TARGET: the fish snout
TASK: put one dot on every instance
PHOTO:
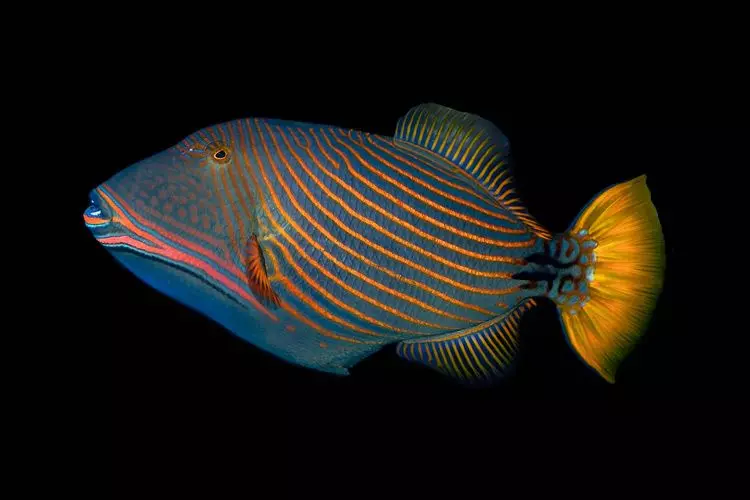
(98, 213)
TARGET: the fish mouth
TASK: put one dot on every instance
(154, 254)
(98, 213)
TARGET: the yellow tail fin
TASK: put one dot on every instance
(624, 257)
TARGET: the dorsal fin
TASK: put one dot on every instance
(480, 355)
(472, 144)
(257, 275)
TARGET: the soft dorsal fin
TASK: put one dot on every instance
(480, 355)
(472, 144)
(257, 275)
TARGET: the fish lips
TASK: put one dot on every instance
(98, 214)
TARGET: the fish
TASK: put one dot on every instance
(323, 245)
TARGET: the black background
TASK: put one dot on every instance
(191, 410)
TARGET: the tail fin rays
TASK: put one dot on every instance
(625, 276)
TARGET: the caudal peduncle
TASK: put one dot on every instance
(563, 270)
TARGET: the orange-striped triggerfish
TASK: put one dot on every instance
(323, 245)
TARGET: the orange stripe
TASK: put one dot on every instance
(306, 145)
(241, 170)
(230, 229)
(202, 135)
(317, 308)
(440, 178)
(304, 275)
(304, 298)
(223, 136)
(385, 251)
(314, 262)
(318, 328)
(349, 250)
(416, 248)
(256, 183)
(174, 255)
(278, 276)
(428, 237)
(226, 198)
(94, 221)
(396, 238)
(121, 218)
(517, 210)
(227, 193)
(437, 223)
(212, 134)
(230, 168)
(493, 213)
(320, 148)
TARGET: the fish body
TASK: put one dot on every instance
(323, 245)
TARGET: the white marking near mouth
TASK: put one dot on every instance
(96, 213)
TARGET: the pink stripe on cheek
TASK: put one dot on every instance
(126, 240)
(195, 248)
(177, 256)
(228, 266)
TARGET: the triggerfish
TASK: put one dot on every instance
(323, 245)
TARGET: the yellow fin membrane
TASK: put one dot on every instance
(624, 267)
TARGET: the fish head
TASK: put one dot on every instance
(179, 220)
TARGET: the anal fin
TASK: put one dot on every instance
(483, 354)
(257, 275)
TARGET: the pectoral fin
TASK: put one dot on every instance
(483, 354)
(257, 275)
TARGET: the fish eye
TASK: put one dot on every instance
(216, 151)
(219, 151)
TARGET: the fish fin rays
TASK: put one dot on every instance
(472, 145)
(257, 275)
(481, 355)
(624, 245)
